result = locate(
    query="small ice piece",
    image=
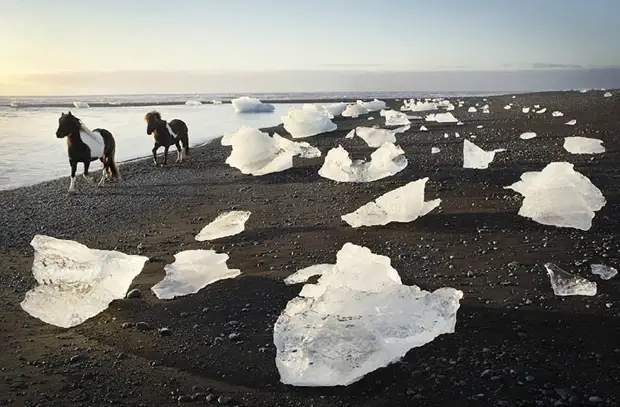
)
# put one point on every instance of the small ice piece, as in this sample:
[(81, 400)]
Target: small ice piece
[(607, 94), (402, 129), (350, 134), (435, 150), (457, 135), (216, 102), (525, 110), (246, 104), (536, 106), (460, 123), (557, 114), (81, 105), (605, 272), (357, 318), (354, 111), (472, 109), (191, 271), (423, 128), (541, 111), (565, 283), (423, 106), (559, 196), (372, 106), (583, 145), (441, 118), (571, 123), (583, 90), (226, 224), (485, 110), (479, 126), (477, 158), (303, 275), (375, 137), (446, 135), (527, 135), (336, 109), (404, 204), (371, 118), (394, 118), (193, 103), (308, 121), (507, 107), (450, 107), (387, 160), (76, 283)]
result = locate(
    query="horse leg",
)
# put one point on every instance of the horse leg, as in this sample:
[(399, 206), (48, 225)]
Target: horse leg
[(104, 173), (73, 171), (85, 175), (155, 148), (166, 148), (179, 152)]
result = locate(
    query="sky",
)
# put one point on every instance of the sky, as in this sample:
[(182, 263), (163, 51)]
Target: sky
[(65, 46)]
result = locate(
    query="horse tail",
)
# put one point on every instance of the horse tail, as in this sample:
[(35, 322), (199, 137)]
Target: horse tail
[(112, 166), (185, 137)]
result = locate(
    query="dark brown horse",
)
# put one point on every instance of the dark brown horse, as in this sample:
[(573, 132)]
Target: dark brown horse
[(166, 134), (85, 145)]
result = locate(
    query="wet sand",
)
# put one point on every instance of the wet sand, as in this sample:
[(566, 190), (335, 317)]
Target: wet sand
[(516, 344)]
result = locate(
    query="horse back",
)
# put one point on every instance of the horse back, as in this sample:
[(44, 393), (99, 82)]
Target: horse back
[(178, 126), (108, 139)]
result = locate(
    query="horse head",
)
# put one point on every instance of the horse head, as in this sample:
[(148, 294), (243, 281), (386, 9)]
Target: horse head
[(152, 118), (68, 125)]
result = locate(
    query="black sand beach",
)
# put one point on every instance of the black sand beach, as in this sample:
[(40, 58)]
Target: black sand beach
[(516, 343)]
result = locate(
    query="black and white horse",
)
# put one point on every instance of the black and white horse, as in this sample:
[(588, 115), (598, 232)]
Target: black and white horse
[(166, 134), (85, 145)]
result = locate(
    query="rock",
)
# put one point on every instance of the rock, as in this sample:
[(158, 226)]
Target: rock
[(224, 400), (595, 399), (135, 293), (529, 378), (487, 373), (184, 399), (234, 336), (164, 331), (74, 358), (126, 325), (143, 326), (210, 397)]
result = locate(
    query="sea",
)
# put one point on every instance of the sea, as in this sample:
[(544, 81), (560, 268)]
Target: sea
[(31, 153)]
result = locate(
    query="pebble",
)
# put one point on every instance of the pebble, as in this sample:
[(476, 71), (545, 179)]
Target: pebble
[(529, 378), (165, 332), (135, 293), (234, 336), (223, 400), (143, 326), (595, 399)]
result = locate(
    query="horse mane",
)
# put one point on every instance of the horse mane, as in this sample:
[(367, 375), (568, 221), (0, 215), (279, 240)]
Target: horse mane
[(152, 115)]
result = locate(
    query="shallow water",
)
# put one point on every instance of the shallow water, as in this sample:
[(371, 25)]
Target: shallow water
[(31, 152)]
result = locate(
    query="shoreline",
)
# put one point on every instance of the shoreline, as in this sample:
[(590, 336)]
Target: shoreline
[(510, 327)]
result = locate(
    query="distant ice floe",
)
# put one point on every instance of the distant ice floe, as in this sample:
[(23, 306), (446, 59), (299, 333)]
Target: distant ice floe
[(541, 111), (246, 104), (477, 158), (81, 105), (372, 106), (404, 204), (435, 150), (354, 111), (394, 118), (559, 196), (527, 135), (607, 94), (565, 283), (216, 102), (375, 137), (358, 318), (472, 110), (226, 224), (571, 122), (193, 103), (191, 271), (387, 160), (76, 283), (255, 153), (557, 113), (307, 121), (583, 145), (603, 271), (525, 110), (441, 118), (336, 109)]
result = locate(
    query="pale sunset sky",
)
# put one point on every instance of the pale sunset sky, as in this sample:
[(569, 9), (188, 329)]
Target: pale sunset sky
[(157, 46)]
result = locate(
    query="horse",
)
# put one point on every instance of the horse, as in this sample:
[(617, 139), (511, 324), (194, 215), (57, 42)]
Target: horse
[(85, 145), (166, 134)]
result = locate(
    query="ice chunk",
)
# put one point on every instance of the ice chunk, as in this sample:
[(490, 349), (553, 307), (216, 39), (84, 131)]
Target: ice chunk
[(565, 283), (375, 137), (81, 105), (507, 107), (557, 114), (527, 135), (387, 160), (255, 153), (559, 196), (336, 109), (441, 118), (475, 157), (76, 283), (605, 272), (446, 135), (607, 94), (226, 224), (191, 271), (359, 317), (423, 106), (404, 204), (472, 110), (402, 129), (372, 106), (571, 123), (354, 111), (525, 110), (350, 134), (457, 135), (479, 126), (394, 118), (371, 118), (246, 104), (423, 128), (541, 111), (435, 150), (216, 102), (193, 103), (583, 145), (308, 121), (485, 110)]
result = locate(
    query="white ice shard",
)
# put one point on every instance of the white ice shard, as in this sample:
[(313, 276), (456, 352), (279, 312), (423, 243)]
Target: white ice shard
[(605, 272), (435, 150), (441, 118), (557, 113), (402, 129), (372, 106), (246, 104), (375, 137), (76, 283), (303, 275), (226, 224), (475, 157), (216, 102), (307, 121), (571, 123), (607, 94), (404, 204), (507, 107), (485, 110), (387, 160), (423, 106), (423, 128), (525, 110), (394, 118), (359, 317), (193, 103), (350, 134), (336, 109), (565, 283), (191, 271), (541, 111), (583, 145), (479, 126), (354, 111), (457, 135), (472, 109), (255, 153), (371, 118), (81, 105), (527, 135), (559, 196)]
